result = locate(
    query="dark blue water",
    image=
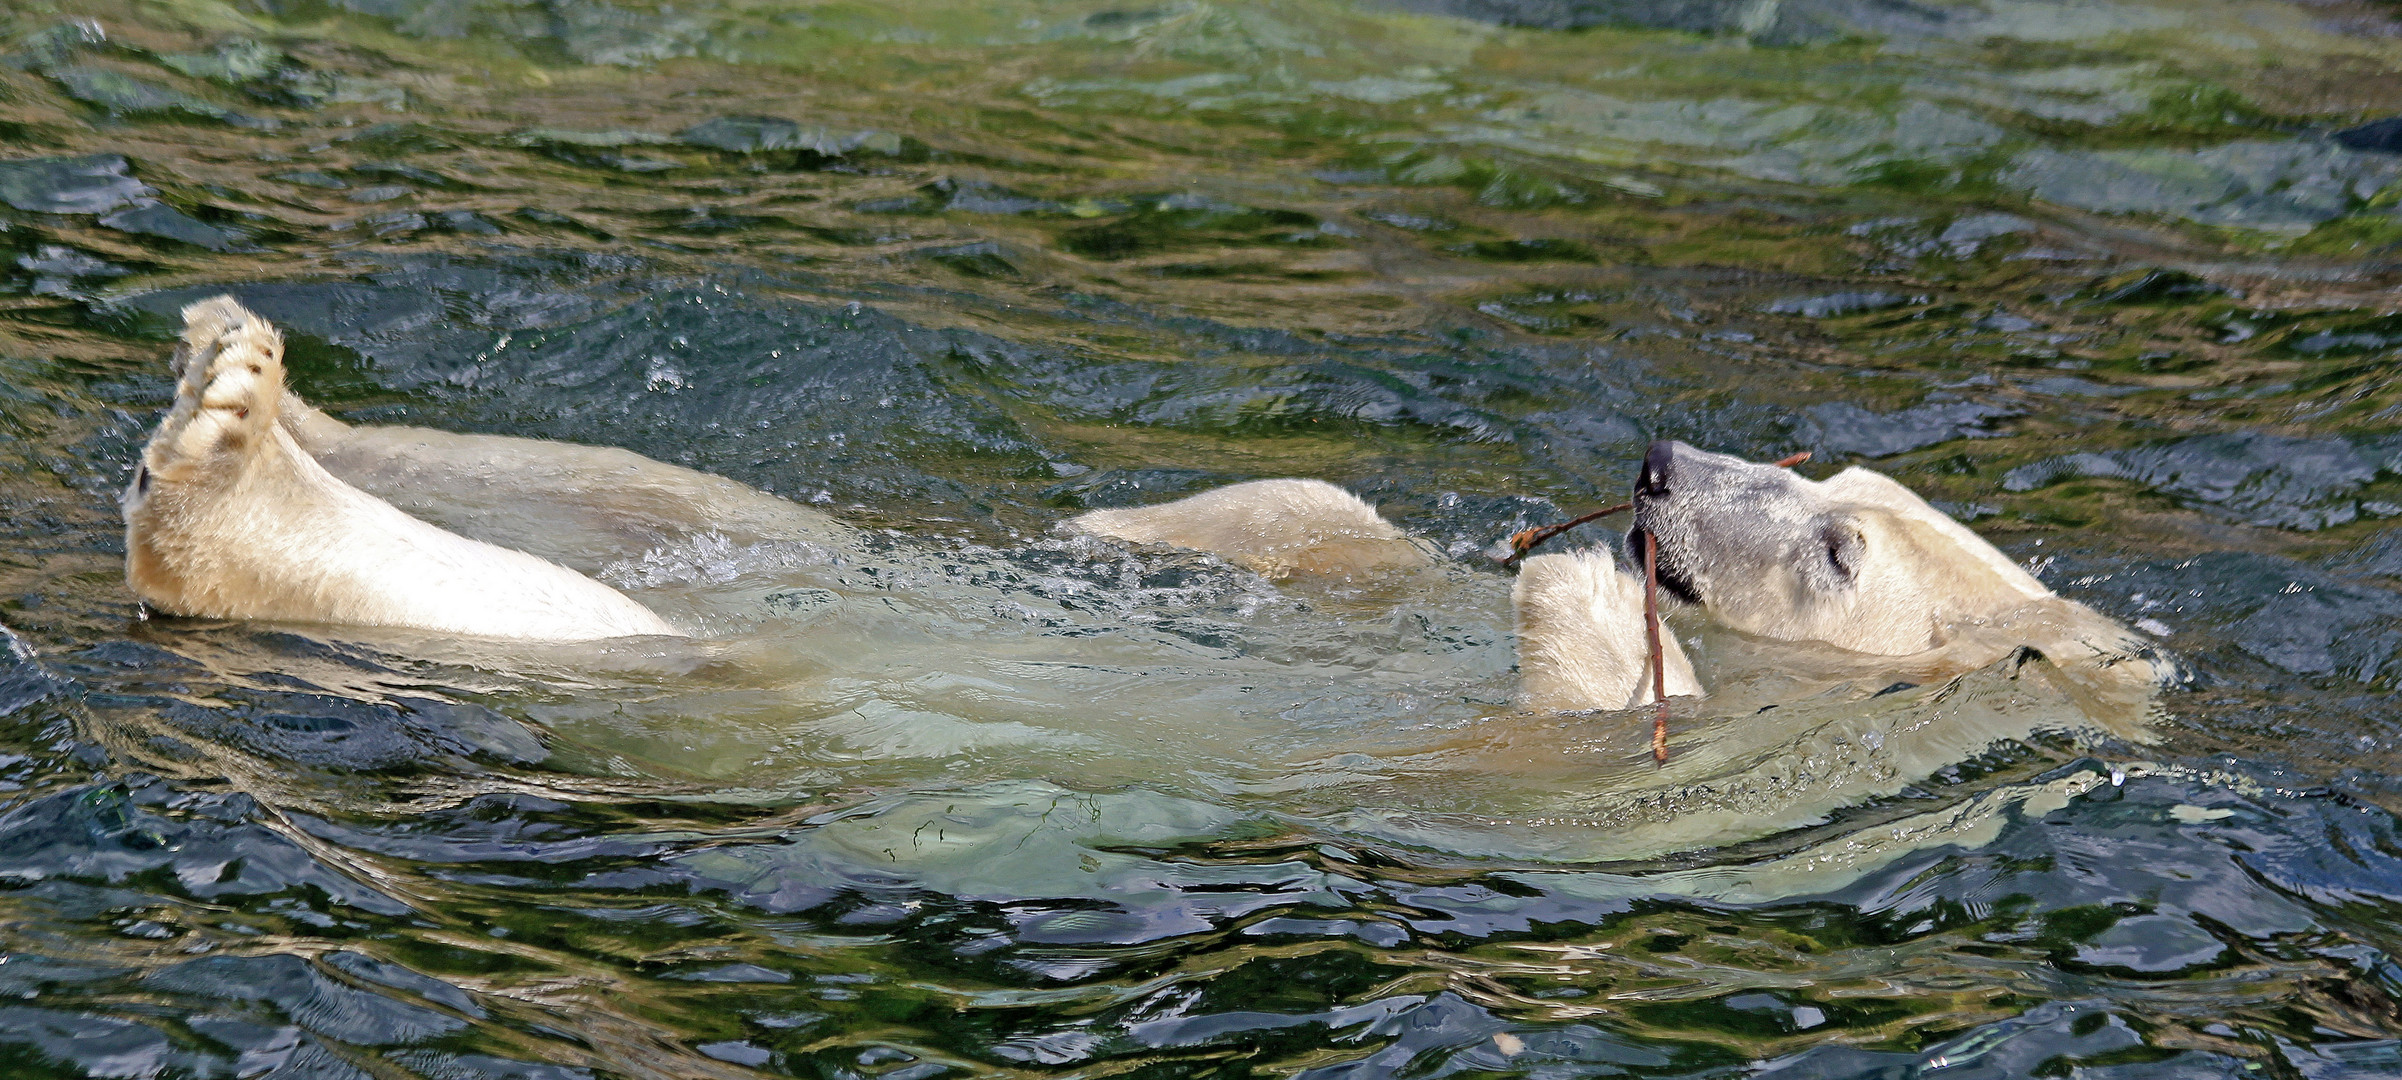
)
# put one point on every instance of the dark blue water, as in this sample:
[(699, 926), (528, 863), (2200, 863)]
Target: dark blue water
[(2097, 281)]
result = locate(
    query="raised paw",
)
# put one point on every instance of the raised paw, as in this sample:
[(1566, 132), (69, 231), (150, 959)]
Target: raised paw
[(229, 388)]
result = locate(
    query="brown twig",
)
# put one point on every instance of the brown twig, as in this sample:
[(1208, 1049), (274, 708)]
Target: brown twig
[(1526, 540), (1659, 662)]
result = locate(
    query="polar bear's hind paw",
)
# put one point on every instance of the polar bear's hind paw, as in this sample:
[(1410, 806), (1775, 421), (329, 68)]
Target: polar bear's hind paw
[(229, 385)]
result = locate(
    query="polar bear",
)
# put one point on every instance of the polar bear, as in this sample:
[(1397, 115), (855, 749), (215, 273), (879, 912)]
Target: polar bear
[(228, 517), (249, 504), (1857, 562)]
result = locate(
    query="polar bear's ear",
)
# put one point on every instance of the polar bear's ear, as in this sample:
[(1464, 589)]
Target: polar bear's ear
[(1835, 562)]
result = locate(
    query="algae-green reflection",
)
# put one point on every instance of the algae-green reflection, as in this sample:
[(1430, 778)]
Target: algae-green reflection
[(2111, 281)]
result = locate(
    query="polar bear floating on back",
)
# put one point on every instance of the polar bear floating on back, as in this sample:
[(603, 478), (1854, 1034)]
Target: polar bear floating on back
[(1857, 561), (237, 511)]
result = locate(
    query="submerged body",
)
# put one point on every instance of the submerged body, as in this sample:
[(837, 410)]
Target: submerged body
[(823, 656), (1277, 528)]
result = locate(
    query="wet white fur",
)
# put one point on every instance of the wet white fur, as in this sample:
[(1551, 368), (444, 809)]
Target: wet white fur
[(1923, 581), (1278, 528), (1981, 607), (1581, 640), (230, 518), (236, 517), (1919, 560), (1928, 592)]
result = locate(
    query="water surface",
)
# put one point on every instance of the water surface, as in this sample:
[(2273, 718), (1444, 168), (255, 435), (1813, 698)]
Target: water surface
[(950, 796)]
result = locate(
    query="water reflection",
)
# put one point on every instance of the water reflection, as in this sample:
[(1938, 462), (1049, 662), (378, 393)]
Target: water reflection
[(2107, 281)]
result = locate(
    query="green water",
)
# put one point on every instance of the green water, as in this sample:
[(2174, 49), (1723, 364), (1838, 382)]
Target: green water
[(2102, 279)]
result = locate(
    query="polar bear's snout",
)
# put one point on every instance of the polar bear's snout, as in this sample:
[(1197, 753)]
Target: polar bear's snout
[(1724, 524), (1658, 462), (1856, 560), (1657, 514)]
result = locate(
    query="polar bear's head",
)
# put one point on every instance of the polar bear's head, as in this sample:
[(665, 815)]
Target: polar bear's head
[(1856, 560)]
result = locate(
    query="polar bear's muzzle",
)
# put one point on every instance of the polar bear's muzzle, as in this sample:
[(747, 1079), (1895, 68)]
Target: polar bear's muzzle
[(1723, 523), (1664, 509)]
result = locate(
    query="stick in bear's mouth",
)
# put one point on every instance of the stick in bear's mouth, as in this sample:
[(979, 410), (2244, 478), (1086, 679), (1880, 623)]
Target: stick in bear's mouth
[(1524, 542), (1651, 636)]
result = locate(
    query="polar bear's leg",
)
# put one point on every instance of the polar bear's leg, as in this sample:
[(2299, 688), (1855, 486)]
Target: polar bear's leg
[(227, 517), (581, 505), (199, 480), (586, 506), (1280, 528), (1581, 643)]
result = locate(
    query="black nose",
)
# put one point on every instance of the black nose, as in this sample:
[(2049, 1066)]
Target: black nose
[(1657, 462)]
